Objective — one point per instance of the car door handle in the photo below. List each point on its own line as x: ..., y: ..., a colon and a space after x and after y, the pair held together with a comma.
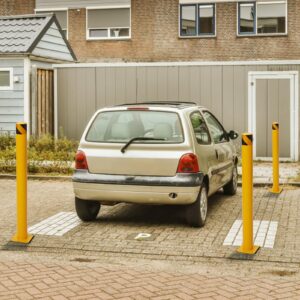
x: 217, y: 154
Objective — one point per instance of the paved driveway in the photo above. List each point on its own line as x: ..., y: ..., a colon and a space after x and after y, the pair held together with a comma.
x: 116, y: 227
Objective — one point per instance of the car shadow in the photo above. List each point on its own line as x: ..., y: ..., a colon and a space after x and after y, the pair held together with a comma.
x: 139, y: 214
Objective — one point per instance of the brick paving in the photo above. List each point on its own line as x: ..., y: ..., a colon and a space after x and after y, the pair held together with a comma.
x: 111, y: 237
x: 69, y: 280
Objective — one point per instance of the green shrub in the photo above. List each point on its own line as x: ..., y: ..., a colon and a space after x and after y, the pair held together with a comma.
x: 45, y: 154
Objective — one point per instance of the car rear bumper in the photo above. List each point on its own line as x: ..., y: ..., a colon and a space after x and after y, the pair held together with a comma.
x: 179, y: 189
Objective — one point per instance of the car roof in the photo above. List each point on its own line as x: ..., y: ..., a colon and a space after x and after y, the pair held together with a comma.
x: 173, y: 104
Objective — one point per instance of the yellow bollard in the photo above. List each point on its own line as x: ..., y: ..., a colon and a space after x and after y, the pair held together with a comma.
x: 21, y: 155
x: 275, y: 150
x: 247, y: 195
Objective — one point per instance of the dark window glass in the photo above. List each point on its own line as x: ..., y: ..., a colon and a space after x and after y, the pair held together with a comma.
x: 206, y: 19
x: 218, y: 134
x: 4, y: 78
x: 271, y: 18
x: 188, y: 20
x: 200, y: 129
x: 247, y: 18
x: 121, y: 126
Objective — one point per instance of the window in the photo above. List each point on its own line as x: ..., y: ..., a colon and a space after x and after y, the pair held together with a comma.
x: 6, y: 82
x: 121, y: 126
x: 200, y: 129
x: 197, y: 20
x: 112, y: 23
x: 262, y: 18
x: 217, y: 131
x: 62, y: 17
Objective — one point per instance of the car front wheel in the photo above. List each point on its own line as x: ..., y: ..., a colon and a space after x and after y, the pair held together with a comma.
x: 196, y: 212
x: 87, y: 210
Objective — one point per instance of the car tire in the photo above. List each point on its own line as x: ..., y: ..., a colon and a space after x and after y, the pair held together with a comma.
x: 87, y: 210
x: 196, y: 212
x: 231, y: 187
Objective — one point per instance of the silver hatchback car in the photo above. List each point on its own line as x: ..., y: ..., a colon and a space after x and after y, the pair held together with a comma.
x: 162, y: 153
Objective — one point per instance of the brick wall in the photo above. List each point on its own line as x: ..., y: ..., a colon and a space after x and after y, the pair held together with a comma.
x: 16, y: 7
x: 155, y: 36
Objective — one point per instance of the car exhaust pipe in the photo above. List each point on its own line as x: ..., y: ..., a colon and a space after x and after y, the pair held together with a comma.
x: 173, y: 196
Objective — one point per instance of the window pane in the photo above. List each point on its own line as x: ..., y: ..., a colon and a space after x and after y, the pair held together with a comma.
x: 200, y: 129
x: 98, y: 33
x: 247, y: 17
x: 119, y: 32
x: 206, y: 19
x: 4, y: 78
x: 104, y: 18
x: 271, y: 18
x: 121, y: 126
x: 188, y: 20
x: 216, y: 130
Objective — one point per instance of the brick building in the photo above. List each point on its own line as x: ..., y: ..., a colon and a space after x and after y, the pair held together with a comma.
x: 173, y: 30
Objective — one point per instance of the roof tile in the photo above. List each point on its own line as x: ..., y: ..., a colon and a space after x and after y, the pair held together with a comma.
x: 18, y: 33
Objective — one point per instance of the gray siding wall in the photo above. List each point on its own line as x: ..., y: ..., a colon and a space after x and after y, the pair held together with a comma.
x: 12, y: 101
x: 222, y: 89
x: 52, y: 45
x: 48, y: 4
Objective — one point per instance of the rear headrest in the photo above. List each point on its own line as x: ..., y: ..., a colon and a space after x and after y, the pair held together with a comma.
x: 120, y: 131
x: 163, y: 131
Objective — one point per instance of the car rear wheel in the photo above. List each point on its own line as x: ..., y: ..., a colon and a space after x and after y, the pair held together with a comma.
x: 87, y: 210
x: 231, y: 187
x: 196, y: 212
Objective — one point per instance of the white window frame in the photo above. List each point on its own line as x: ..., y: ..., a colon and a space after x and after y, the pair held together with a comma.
x: 40, y: 10
x: 108, y: 37
x: 201, y: 35
x: 11, y: 83
x: 255, y: 34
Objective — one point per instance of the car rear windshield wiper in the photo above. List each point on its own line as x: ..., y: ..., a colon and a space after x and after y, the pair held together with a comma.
x: 139, y: 139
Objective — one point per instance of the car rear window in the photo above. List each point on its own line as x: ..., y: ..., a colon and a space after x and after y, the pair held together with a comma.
x: 122, y: 126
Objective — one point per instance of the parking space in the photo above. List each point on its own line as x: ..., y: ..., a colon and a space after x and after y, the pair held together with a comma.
x: 166, y: 235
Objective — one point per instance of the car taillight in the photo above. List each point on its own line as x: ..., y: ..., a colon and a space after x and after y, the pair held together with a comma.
x: 188, y: 163
x: 80, y: 161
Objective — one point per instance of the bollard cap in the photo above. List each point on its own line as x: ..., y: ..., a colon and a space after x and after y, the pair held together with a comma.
x: 275, y: 126
x: 247, y: 139
x: 21, y: 128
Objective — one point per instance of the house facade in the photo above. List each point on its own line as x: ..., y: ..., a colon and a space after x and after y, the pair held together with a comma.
x: 174, y: 30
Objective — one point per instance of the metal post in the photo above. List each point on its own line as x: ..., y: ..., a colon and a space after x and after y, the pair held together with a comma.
x: 275, y: 151
x: 247, y: 195
x: 21, y: 165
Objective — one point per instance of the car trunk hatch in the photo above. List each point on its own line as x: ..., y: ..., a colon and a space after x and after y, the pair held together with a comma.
x: 152, y: 160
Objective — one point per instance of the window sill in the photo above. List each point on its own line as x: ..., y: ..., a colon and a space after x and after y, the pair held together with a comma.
x: 109, y: 39
x: 262, y: 35
x: 198, y: 37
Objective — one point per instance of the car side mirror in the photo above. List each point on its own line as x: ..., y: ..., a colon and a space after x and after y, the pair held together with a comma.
x: 233, y: 135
